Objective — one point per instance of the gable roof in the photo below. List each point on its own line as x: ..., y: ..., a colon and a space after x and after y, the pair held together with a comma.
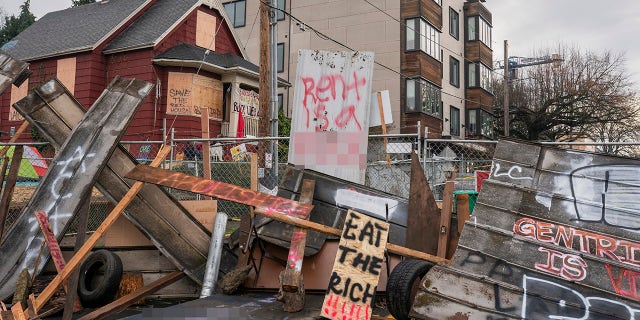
x: 185, y: 54
x: 147, y: 30
x: 73, y: 30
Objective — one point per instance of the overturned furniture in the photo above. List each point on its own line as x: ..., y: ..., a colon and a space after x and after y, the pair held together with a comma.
x: 554, y: 234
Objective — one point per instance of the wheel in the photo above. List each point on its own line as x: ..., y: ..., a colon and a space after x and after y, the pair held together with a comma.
x: 403, y: 284
x: 100, y: 276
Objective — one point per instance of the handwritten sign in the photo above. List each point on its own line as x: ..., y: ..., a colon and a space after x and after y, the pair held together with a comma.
x: 246, y: 101
x: 329, y: 128
x: 188, y: 93
x: 356, y: 269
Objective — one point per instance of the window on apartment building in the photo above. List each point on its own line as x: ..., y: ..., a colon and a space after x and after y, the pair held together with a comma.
x: 454, y: 120
x: 479, y: 29
x: 479, y: 75
x: 420, y: 35
x: 423, y: 96
x: 479, y: 123
x: 454, y: 23
x: 280, y: 101
x: 236, y: 10
x: 281, y: 57
x: 282, y: 6
x: 454, y: 72
x: 439, y: 2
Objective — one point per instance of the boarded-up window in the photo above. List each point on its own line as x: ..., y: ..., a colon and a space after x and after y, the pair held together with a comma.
x: 17, y: 93
x: 67, y: 73
x: 206, y: 31
x: 187, y: 93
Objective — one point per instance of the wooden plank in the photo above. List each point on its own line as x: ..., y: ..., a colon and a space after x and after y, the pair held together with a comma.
x: 291, y: 281
x: 7, y: 189
x: 206, y: 152
x: 72, y: 303
x: 462, y: 209
x: 217, y: 189
x: 384, y: 127
x: 445, y: 215
x: 72, y: 173
x: 423, y: 217
x: 356, y: 269
x: 46, y: 294
x: 158, y: 215
x: 131, y: 298
x: 12, y: 71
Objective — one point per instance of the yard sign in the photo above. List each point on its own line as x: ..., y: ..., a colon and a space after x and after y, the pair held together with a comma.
x: 330, y: 119
x: 356, y: 270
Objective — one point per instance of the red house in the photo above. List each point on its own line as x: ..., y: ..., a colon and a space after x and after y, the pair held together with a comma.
x: 186, y: 48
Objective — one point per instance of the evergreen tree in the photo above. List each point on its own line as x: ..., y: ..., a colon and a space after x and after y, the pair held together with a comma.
x: 14, y: 25
x: 81, y: 2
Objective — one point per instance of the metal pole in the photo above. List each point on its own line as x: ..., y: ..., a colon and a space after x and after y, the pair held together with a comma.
x: 215, y: 253
x: 173, y: 132
x: 506, y: 89
x: 274, y: 87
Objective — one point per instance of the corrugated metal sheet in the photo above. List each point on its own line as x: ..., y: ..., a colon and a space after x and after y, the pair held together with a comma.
x: 554, y: 235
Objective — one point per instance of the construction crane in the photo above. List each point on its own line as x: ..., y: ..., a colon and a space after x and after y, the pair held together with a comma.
x: 520, y: 62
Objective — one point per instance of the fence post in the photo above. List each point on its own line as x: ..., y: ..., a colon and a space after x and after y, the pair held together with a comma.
x: 173, y: 133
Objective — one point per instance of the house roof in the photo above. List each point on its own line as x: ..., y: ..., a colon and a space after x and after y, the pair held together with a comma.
x: 72, y: 30
x: 185, y: 54
x: 152, y: 25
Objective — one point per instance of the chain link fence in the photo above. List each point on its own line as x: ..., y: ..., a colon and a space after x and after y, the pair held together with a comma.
x: 388, y: 166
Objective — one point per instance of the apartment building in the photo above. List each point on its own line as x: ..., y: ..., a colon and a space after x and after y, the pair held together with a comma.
x: 434, y: 56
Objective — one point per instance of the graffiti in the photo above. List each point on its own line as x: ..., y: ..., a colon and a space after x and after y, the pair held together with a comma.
x: 543, y: 299
x: 512, y: 173
x: 607, y: 194
x: 356, y: 269
x: 624, y: 283
x: 321, y: 93
x: 572, y: 267
x: 295, y: 256
x: 218, y: 189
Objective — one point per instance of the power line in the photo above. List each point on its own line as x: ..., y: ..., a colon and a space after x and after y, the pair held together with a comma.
x: 328, y: 38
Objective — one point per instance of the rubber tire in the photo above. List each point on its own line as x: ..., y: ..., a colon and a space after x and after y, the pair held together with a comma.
x: 94, y: 289
x: 402, y: 286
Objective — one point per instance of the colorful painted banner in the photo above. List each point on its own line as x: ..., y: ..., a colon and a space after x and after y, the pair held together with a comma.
x: 330, y: 122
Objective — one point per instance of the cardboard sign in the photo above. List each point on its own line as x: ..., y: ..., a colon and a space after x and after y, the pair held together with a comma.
x: 187, y: 93
x: 357, y: 267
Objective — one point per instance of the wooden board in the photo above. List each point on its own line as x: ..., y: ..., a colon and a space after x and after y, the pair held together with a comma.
x: 356, y: 269
x: 153, y: 211
x: 554, y: 234
x: 72, y: 173
x: 423, y: 216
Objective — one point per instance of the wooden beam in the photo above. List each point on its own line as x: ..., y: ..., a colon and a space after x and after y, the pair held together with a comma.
x: 291, y: 281
x: 16, y: 135
x: 384, y: 127
x: 72, y: 303
x: 221, y: 190
x: 79, y: 256
x: 423, y: 216
x: 131, y: 298
x: 445, y: 215
x: 462, y: 209
x: 7, y: 190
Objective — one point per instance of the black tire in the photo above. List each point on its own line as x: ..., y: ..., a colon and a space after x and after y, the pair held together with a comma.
x: 403, y: 284
x: 100, y: 276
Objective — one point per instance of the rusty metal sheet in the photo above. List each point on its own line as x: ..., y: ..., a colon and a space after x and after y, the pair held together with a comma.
x: 332, y: 198
x: 554, y: 234
x: 12, y: 71
x: 71, y: 175
x: 168, y: 225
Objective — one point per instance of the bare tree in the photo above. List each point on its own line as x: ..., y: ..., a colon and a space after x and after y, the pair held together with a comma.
x: 563, y: 101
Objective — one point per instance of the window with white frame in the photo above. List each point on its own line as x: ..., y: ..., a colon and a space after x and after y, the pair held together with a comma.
x: 454, y: 72
x: 423, y: 96
x: 281, y: 57
x: 454, y: 120
x: 420, y: 35
x: 479, y: 29
x: 454, y: 23
x: 236, y: 10
x: 479, y: 75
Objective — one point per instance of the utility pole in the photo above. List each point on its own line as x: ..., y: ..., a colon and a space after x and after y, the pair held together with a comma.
x: 274, y: 89
x: 506, y: 89
x: 264, y: 112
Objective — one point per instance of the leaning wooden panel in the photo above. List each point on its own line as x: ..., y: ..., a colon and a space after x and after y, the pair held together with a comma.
x: 153, y: 211
x: 71, y: 174
x: 12, y: 71
x: 560, y: 226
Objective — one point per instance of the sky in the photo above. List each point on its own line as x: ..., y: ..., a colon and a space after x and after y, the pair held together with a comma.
x: 528, y: 26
